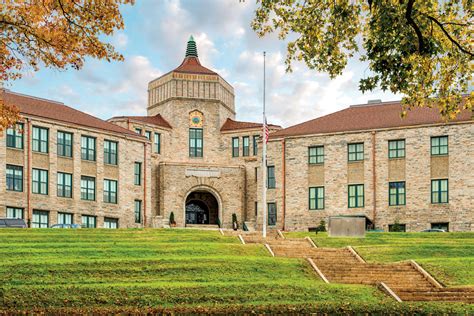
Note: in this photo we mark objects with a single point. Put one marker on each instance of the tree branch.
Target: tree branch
(412, 23)
(441, 26)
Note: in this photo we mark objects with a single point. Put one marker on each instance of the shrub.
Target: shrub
(235, 224)
(322, 226)
(172, 221)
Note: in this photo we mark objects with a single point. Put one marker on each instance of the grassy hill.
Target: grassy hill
(106, 271)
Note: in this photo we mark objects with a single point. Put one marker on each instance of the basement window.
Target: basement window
(444, 226)
(400, 228)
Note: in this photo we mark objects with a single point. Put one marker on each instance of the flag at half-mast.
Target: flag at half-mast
(266, 133)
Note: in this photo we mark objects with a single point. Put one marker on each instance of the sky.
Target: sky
(154, 42)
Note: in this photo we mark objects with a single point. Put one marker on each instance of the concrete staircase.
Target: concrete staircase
(404, 281)
(203, 226)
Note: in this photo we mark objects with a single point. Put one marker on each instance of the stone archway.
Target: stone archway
(201, 208)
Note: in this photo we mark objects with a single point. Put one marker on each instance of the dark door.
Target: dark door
(197, 213)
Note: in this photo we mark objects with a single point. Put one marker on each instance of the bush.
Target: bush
(235, 224)
(321, 227)
(397, 228)
(172, 221)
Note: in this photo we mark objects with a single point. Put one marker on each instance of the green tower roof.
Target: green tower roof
(191, 50)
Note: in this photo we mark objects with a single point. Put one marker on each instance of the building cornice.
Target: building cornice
(279, 138)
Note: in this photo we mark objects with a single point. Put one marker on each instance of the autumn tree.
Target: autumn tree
(56, 34)
(423, 49)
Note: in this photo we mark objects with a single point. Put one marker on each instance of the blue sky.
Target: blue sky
(154, 42)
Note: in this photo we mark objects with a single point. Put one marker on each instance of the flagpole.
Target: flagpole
(264, 160)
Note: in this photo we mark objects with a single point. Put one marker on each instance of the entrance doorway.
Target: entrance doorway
(202, 208)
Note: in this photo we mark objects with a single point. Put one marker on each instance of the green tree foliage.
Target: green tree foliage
(423, 49)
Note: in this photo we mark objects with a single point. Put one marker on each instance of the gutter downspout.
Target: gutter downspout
(144, 183)
(28, 172)
(283, 171)
(374, 180)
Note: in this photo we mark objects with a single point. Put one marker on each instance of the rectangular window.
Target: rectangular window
(355, 152)
(15, 212)
(396, 193)
(88, 148)
(40, 219)
(271, 182)
(444, 226)
(87, 188)
(15, 136)
(64, 185)
(138, 131)
(235, 147)
(316, 155)
(316, 198)
(40, 181)
(256, 208)
(439, 191)
(272, 214)
(110, 223)
(439, 146)
(138, 211)
(65, 218)
(14, 178)
(110, 191)
(396, 148)
(255, 144)
(138, 173)
(157, 143)
(40, 139)
(397, 228)
(245, 146)
(64, 144)
(110, 152)
(356, 195)
(89, 221)
(148, 135)
(195, 142)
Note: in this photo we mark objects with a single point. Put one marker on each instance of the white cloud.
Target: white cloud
(154, 42)
(120, 40)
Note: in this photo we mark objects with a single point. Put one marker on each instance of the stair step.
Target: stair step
(339, 265)
(202, 226)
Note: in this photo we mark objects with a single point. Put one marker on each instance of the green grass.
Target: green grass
(448, 256)
(110, 271)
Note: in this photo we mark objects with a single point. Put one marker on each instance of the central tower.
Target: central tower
(193, 83)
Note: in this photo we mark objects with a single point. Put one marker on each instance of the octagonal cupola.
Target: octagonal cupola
(190, 80)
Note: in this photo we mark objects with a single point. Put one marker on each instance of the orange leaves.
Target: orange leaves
(56, 34)
(8, 115)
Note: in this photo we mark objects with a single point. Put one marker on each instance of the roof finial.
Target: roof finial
(191, 50)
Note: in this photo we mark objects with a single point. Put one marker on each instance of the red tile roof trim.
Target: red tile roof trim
(192, 65)
(231, 125)
(369, 117)
(157, 120)
(56, 111)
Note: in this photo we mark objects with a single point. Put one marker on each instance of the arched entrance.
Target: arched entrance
(202, 208)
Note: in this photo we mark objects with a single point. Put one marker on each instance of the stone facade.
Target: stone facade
(417, 170)
(227, 178)
(130, 151)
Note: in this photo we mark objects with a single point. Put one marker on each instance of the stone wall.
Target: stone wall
(130, 150)
(225, 182)
(417, 169)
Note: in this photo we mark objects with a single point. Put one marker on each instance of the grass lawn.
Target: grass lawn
(110, 271)
(448, 256)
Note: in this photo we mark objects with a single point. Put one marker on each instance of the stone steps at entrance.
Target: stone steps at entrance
(342, 265)
(202, 226)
